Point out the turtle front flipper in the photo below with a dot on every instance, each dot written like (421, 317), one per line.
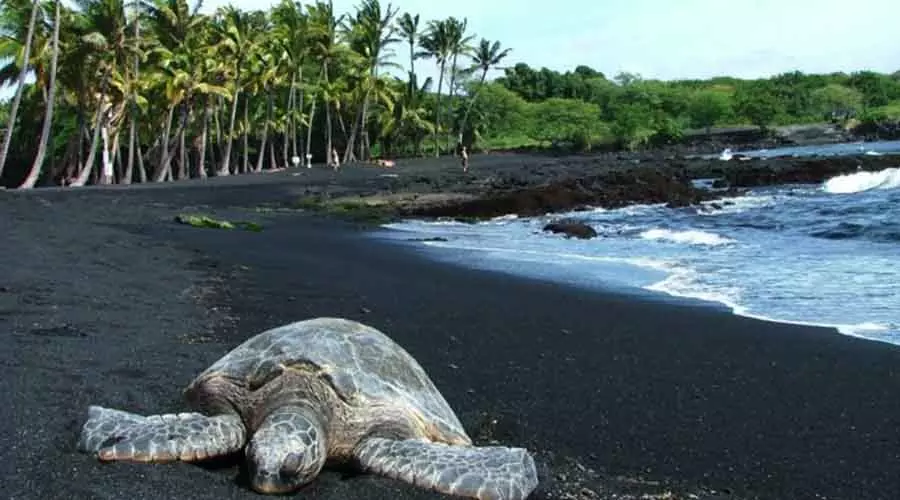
(120, 435)
(484, 473)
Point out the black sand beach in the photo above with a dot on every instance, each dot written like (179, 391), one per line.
(104, 300)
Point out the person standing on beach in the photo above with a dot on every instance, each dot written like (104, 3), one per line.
(464, 158)
(335, 159)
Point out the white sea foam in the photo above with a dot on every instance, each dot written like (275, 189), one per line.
(685, 283)
(863, 181)
(691, 237)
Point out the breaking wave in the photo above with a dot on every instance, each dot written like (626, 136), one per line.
(863, 181)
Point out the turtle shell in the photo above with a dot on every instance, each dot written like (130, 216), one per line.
(363, 365)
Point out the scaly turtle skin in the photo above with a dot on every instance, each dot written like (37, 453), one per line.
(318, 392)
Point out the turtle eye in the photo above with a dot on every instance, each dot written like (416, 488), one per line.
(291, 465)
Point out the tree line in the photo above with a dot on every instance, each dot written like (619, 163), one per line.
(583, 107)
(155, 90)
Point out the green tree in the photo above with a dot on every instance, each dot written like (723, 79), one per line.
(634, 125)
(837, 100)
(20, 85)
(759, 105)
(708, 107)
(35, 171)
(486, 56)
(565, 120)
(438, 42)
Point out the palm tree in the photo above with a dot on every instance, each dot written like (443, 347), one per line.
(370, 33)
(20, 86)
(35, 171)
(291, 30)
(438, 43)
(324, 46)
(408, 26)
(486, 56)
(185, 86)
(234, 46)
(459, 44)
(106, 38)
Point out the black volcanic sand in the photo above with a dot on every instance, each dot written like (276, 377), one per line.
(105, 300)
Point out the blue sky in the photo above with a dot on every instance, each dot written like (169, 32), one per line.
(673, 39)
(677, 39)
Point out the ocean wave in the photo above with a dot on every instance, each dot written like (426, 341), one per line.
(685, 283)
(735, 205)
(691, 237)
(877, 231)
(863, 181)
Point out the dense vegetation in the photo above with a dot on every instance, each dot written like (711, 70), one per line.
(584, 107)
(155, 90)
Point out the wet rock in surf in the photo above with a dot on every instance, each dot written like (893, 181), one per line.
(572, 229)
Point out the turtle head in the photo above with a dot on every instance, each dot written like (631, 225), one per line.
(287, 450)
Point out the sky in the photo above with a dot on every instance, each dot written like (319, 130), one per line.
(670, 39)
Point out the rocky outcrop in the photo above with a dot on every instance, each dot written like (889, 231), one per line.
(572, 229)
(613, 188)
(794, 170)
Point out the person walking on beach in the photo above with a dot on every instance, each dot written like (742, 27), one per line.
(464, 158)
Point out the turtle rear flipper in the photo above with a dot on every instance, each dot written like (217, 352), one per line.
(120, 435)
(491, 472)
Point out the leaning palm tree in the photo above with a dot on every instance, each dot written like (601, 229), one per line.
(438, 43)
(35, 171)
(20, 87)
(486, 56)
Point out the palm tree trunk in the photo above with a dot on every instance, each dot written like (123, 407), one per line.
(14, 108)
(302, 150)
(106, 176)
(465, 119)
(312, 115)
(162, 171)
(437, 118)
(132, 126)
(328, 145)
(265, 134)
(451, 92)
(204, 137)
(183, 171)
(245, 165)
(226, 160)
(142, 172)
(351, 141)
(293, 108)
(272, 154)
(35, 172)
(88, 166)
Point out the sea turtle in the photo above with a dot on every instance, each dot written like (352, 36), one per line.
(316, 392)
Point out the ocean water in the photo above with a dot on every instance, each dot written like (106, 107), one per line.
(839, 149)
(826, 254)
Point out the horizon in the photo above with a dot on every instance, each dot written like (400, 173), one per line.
(687, 42)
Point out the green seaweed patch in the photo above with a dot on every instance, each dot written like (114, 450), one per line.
(361, 210)
(205, 221)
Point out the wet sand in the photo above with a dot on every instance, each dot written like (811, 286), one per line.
(104, 300)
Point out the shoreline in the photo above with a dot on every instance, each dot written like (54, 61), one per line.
(108, 301)
(651, 292)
